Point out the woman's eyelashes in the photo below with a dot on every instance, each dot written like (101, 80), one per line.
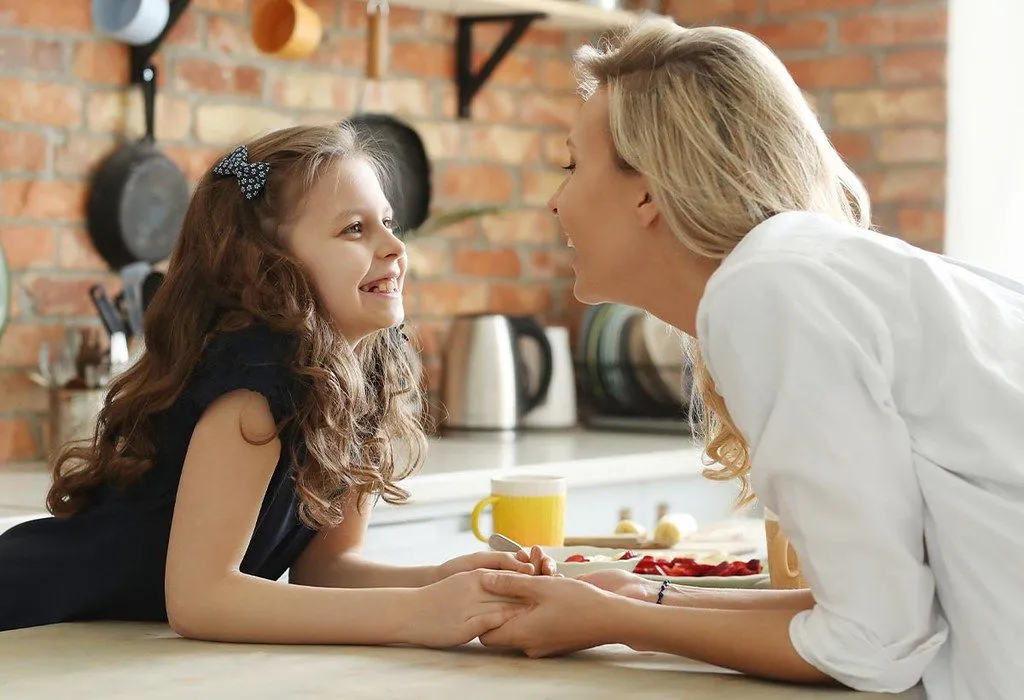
(570, 166)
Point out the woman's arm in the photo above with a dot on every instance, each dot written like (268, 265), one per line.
(223, 483)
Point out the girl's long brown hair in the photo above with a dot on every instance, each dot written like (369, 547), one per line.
(229, 269)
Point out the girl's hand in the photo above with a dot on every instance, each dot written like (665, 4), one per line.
(563, 614)
(456, 610)
(623, 583)
(523, 562)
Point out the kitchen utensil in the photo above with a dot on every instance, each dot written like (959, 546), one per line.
(558, 407)
(484, 386)
(132, 277)
(783, 563)
(288, 29)
(526, 508)
(135, 22)
(112, 320)
(118, 351)
(137, 196)
(377, 46)
(150, 285)
(500, 543)
(409, 185)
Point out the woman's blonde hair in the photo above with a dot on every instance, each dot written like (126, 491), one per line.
(713, 120)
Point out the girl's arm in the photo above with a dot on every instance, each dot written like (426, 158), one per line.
(223, 482)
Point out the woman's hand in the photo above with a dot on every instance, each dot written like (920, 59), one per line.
(562, 615)
(456, 610)
(523, 562)
(624, 583)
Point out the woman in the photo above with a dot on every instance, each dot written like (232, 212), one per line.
(868, 392)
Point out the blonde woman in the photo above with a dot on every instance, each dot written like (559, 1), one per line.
(869, 392)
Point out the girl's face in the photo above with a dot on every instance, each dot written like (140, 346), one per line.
(345, 238)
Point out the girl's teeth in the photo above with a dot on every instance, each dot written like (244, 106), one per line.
(383, 287)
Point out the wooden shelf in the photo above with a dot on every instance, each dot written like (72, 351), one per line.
(561, 14)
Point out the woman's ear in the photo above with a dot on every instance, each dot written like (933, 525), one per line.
(647, 210)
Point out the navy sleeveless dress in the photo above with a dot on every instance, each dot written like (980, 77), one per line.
(108, 562)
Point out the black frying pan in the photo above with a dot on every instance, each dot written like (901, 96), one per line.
(409, 187)
(137, 198)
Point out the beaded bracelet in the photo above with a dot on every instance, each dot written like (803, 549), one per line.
(661, 593)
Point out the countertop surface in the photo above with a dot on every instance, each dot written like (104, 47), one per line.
(459, 466)
(136, 660)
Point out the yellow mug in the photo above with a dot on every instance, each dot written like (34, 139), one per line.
(529, 509)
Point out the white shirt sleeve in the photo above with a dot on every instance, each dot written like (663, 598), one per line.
(804, 364)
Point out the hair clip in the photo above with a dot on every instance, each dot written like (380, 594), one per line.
(251, 176)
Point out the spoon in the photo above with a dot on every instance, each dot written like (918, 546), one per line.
(500, 543)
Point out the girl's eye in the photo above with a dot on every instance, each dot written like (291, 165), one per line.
(357, 227)
(389, 224)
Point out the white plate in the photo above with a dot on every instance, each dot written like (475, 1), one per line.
(574, 569)
(751, 581)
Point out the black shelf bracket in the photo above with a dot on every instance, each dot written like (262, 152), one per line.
(142, 55)
(468, 83)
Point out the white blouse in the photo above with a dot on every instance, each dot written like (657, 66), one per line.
(881, 390)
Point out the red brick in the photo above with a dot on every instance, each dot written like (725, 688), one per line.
(425, 60)
(501, 262)
(534, 226)
(476, 183)
(907, 185)
(492, 104)
(31, 102)
(193, 161)
(218, 78)
(919, 66)
(327, 10)
(555, 110)
(49, 200)
(406, 97)
(29, 246)
(556, 74)
(792, 35)
(429, 335)
(56, 295)
(921, 225)
(853, 146)
(81, 152)
(687, 12)
(503, 144)
(22, 152)
(25, 53)
(894, 28)
(780, 7)
(77, 251)
(429, 257)
(229, 35)
(19, 393)
(101, 62)
(442, 140)
(120, 113)
(841, 71)
(186, 32)
(912, 146)
(889, 107)
(47, 16)
(17, 441)
(220, 5)
(551, 263)
(447, 298)
(519, 298)
(20, 342)
(514, 69)
(539, 185)
(320, 90)
(550, 39)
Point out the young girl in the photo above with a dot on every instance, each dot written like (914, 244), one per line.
(265, 415)
(869, 392)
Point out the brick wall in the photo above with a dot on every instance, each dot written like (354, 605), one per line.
(64, 104)
(875, 70)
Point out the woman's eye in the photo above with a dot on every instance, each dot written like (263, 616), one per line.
(569, 166)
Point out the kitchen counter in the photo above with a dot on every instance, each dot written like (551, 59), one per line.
(133, 660)
(459, 467)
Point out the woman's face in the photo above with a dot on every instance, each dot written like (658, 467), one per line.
(604, 211)
(345, 238)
